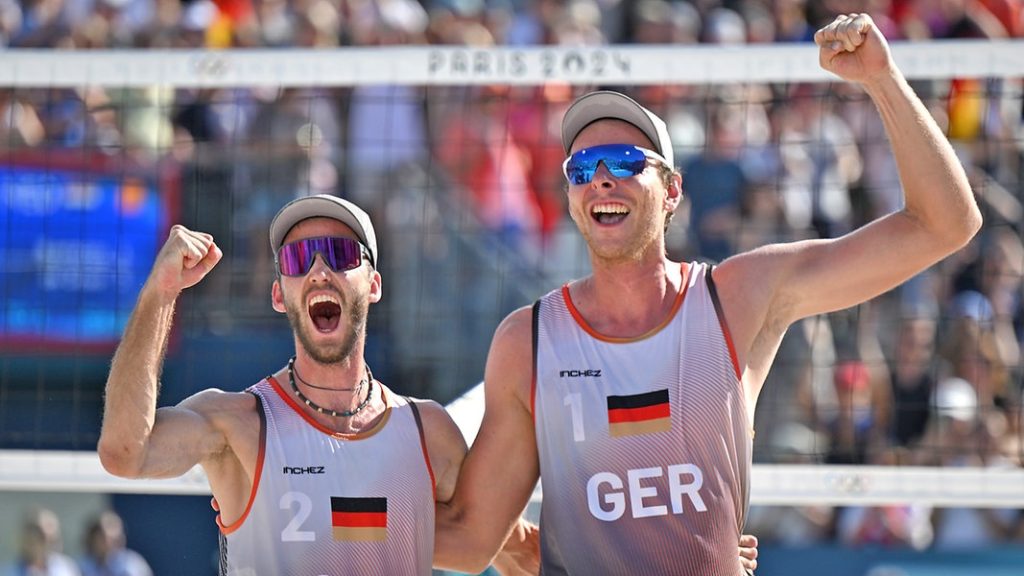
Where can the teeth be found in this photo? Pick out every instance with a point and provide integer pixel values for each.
(610, 209)
(323, 298)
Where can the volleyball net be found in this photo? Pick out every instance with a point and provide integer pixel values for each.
(913, 397)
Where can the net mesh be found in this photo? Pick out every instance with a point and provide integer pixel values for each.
(455, 153)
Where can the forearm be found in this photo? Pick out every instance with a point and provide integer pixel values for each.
(457, 546)
(129, 411)
(936, 190)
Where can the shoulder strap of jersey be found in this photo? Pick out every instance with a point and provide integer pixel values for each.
(713, 292)
(416, 416)
(533, 371)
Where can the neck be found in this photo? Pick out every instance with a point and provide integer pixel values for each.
(628, 299)
(341, 376)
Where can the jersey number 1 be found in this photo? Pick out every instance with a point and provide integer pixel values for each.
(575, 403)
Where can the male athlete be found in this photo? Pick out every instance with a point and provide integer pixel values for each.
(631, 392)
(319, 468)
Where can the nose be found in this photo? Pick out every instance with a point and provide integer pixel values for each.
(319, 270)
(603, 177)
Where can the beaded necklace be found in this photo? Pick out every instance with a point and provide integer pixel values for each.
(321, 410)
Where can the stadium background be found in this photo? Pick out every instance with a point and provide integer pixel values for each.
(464, 184)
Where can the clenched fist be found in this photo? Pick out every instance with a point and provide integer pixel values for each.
(853, 48)
(184, 260)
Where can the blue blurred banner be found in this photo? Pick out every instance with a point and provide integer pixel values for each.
(76, 245)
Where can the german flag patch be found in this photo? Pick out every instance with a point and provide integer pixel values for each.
(359, 519)
(639, 414)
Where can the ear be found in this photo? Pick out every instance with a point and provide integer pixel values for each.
(277, 297)
(675, 192)
(376, 288)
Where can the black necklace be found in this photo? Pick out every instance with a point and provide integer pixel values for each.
(321, 410)
(303, 380)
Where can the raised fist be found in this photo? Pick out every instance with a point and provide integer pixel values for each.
(184, 260)
(853, 48)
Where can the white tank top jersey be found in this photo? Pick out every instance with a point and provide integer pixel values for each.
(324, 503)
(644, 443)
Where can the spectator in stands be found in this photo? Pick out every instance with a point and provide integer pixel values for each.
(821, 162)
(386, 125)
(106, 551)
(724, 26)
(535, 23)
(664, 22)
(960, 434)
(999, 277)
(969, 347)
(20, 126)
(42, 24)
(492, 171)
(912, 379)
(40, 552)
(10, 20)
(721, 182)
(791, 24)
(856, 427)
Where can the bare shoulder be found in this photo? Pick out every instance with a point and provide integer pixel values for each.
(215, 404)
(235, 416)
(513, 339)
(517, 326)
(510, 361)
(437, 422)
(756, 263)
(767, 269)
(751, 289)
(446, 446)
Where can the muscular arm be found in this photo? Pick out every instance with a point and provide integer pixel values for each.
(805, 278)
(501, 469)
(446, 448)
(136, 439)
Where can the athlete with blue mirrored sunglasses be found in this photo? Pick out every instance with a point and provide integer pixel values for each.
(630, 393)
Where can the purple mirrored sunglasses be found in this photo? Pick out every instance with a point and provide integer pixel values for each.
(340, 254)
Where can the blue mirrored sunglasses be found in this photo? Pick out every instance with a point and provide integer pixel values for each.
(340, 254)
(621, 160)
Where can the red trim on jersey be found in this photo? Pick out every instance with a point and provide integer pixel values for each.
(228, 529)
(724, 326)
(639, 414)
(684, 272)
(533, 396)
(359, 519)
(732, 350)
(309, 419)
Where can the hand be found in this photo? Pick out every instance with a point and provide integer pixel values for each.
(520, 556)
(748, 552)
(853, 48)
(185, 259)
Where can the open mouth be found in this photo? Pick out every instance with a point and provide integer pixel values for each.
(325, 312)
(609, 213)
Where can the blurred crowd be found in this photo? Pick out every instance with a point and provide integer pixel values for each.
(90, 24)
(929, 374)
(104, 548)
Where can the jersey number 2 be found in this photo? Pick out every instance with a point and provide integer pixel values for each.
(291, 532)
